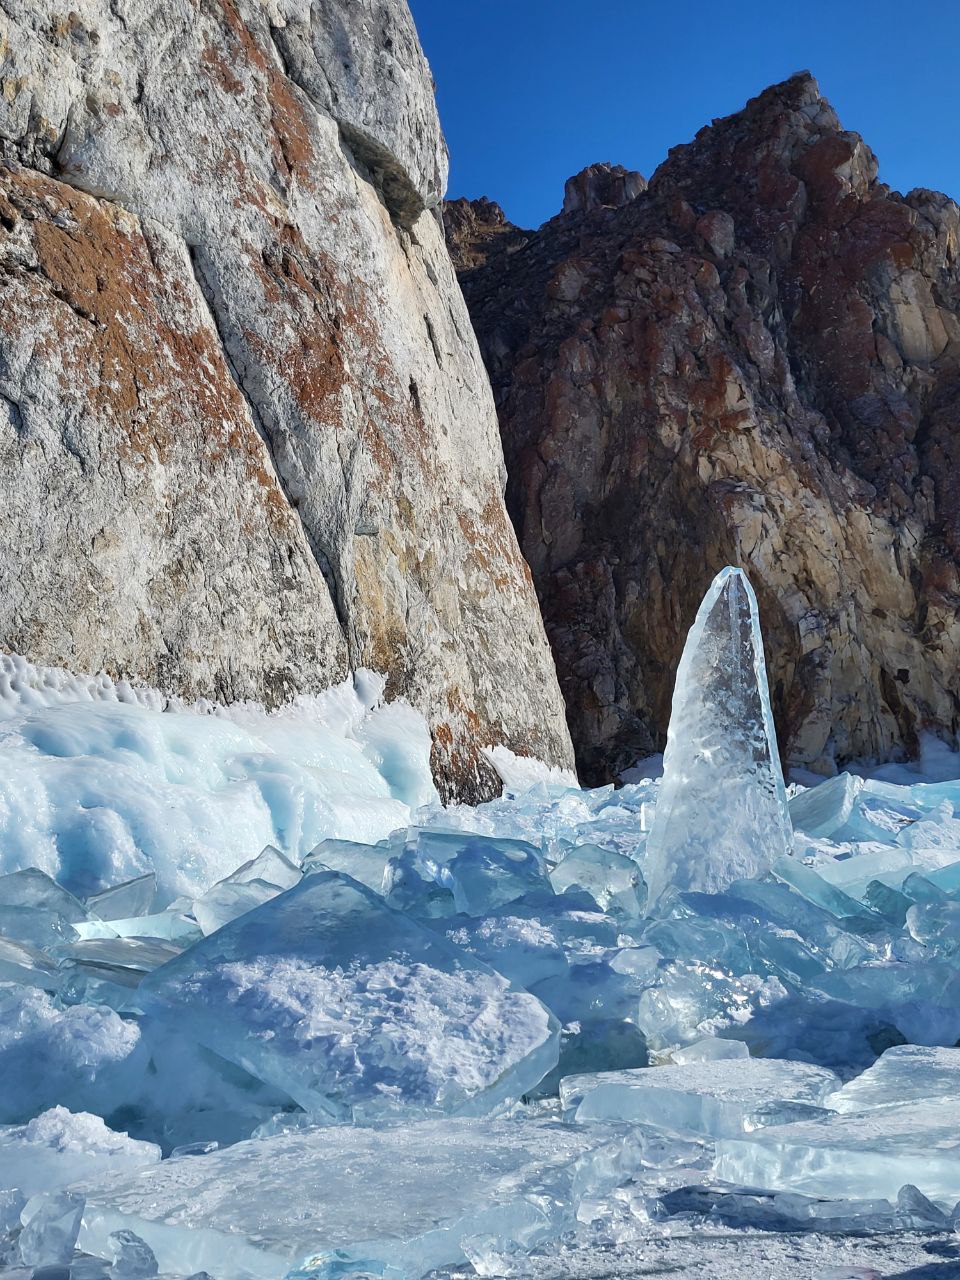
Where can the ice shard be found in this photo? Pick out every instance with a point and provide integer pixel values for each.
(865, 1154)
(59, 1148)
(717, 1099)
(355, 1010)
(905, 1073)
(722, 812)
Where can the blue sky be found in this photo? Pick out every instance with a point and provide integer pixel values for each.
(530, 91)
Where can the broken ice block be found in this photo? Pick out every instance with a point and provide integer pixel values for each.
(936, 925)
(905, 1073)
(863, 1155)
(51, 1224)
(921, 999)
(718, 1099)
(821, 893)
(613, 881)
(694, 998)
(400, 1196)
(60, 1147)
(35, 926)
(822, 810)
(108, 970)
(227, 900)
(131, 1257)
(132, 898)
(722, 811)
(712, 1049)
(28, 965)
(34, 888)
(270, 866)
(364, 862)
(852, 874)
(438, 873)
(524, 947)
(355, 1010)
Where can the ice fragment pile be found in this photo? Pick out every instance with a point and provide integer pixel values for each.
(267, 1009)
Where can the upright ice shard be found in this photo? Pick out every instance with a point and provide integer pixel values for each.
(722, 812)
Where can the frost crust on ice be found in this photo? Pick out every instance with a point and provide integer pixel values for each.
(103, 783)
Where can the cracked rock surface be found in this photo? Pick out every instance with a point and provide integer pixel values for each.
(756, 361)
(247, 439)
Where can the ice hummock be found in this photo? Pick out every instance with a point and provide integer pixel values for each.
(103, 783)
(354, 1009)
(825, 959)
(722, 811)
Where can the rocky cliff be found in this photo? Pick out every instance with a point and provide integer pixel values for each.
(246, 436)
(757, 362)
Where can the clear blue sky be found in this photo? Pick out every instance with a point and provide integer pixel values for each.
(530, 91)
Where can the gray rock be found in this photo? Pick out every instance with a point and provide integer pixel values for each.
(246, 437)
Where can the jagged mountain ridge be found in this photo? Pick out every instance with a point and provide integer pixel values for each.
(247, 438)
(756, 361)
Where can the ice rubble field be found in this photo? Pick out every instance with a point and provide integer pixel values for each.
(268, 1010)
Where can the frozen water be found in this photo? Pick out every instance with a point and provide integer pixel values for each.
(58, 1148)
(364, 862)
(139, 1076)
(51, 1224)
(131, 1258)
(132, 898)
(354, 1009)
(821, 893)
(101, 785)
(862, 1155)
(269, 866)
(722, 812)
(613, 881)
(710, 1050)
(438, 873)
(227, 900)
(526, 948)
(825, 809)
(717, 1098)
(522, 933)
(905, 1073)
(34, 888)
(402, 1196)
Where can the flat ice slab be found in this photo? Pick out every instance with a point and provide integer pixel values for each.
(905, 1073)
(864, 1155)
(719, 1099)
(404, 1195)
(355, 1010)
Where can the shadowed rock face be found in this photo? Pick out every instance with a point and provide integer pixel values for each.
(247, 439)
(754, 362)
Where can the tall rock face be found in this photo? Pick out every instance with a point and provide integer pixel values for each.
(247, 439)
(754, 362)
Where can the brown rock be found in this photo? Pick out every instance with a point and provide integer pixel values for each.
(602, 186)
(756, 361)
